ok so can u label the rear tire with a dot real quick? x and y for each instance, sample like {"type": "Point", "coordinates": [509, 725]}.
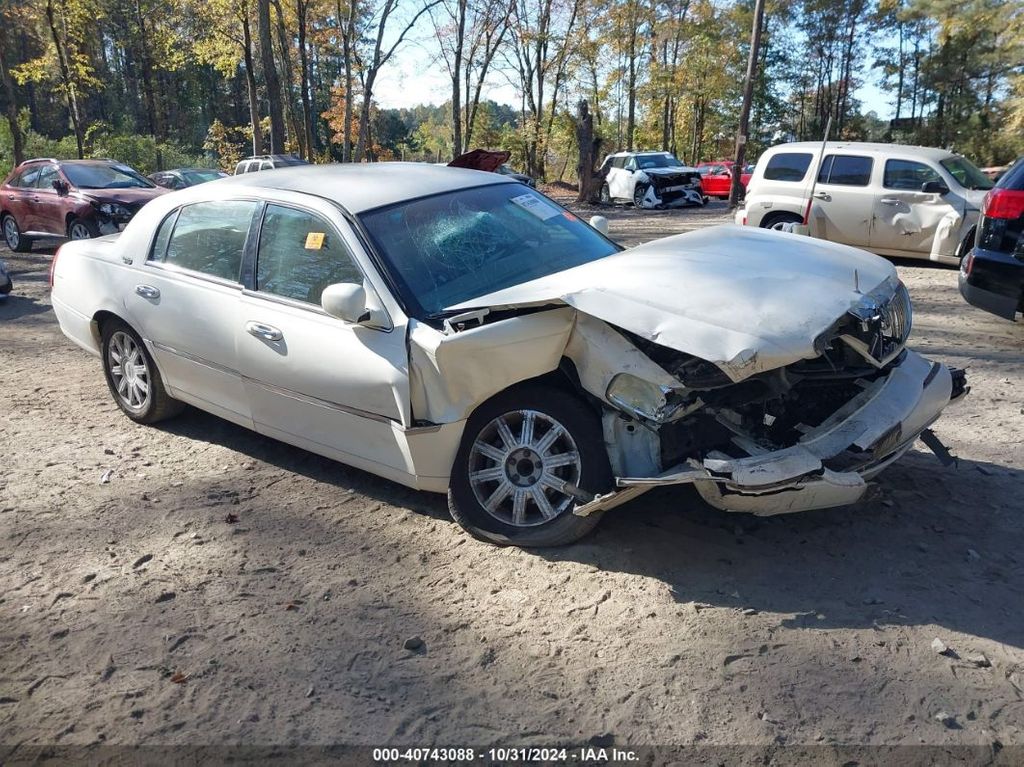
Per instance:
{"type": "Point", "coordinates": [132, 376]}
{"type": "Point", "coordinates": [16, 241]}
{"type": "Point", "coordinates": [516, 449]}
{"type": "Point", "coordinates": [776, 220]}
{"type": "Point", "coordinates": [606, 195]}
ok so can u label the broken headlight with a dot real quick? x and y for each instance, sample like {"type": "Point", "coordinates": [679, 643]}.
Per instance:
{"type": "Point", "coordinates": [642, 398]}
{"type": "Point", "coordinates": [115, 211]}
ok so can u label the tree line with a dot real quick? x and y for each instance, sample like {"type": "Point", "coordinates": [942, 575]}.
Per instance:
{"type": "Point", "coordinates": [165, 82]}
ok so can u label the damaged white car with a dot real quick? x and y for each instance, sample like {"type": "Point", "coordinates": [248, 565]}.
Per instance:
{"type": "Point", "coordinates": [650, 180]}
{"type": "Point", "coordinates": [458, 332]}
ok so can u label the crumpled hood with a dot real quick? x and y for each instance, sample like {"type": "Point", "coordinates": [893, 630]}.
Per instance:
{"type": "Point", "coordinates": [670, 171]}
{"type": "Point", "coordinates": [747, 299]}
{"type": "Point", "coordinates": [134, 196]}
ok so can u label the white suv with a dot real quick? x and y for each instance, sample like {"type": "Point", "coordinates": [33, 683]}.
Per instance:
{"type": "Point", "coordinates": [650, 180]}
{"type": "Point", "coordinates": [893, 200]}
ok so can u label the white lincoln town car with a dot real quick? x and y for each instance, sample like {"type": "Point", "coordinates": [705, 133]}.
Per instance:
{"type": "Point", "coordinates": [456, 331]}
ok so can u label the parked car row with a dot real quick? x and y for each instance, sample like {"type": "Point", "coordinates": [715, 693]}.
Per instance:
{"type": "Point", "coordinates": [80, 199]}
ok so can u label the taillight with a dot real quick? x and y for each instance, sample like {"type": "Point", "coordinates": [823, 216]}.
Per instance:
{"type": "Point", "coordinates": [1003, 203]}
{"type": "Point", "coordinates": [968, 264]}
{"type": "Point", "coordinates": [53, 267]}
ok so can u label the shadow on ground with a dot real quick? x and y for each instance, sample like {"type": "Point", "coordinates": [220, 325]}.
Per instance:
{"type": "Point", "coordinates": [934, 547]}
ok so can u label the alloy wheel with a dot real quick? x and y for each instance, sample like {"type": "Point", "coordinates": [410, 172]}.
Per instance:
{"type": "Point", "coordinates": [11, 233]}
{"type": "Point", "coordinates": [129, 371]}
{"type": "Point", "coordinates": [80, 231]}
{"type": "Point", "coordinates": [521, 466]}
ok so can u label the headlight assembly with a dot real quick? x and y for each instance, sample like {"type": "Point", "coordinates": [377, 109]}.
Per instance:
{"type": "Point", "coordinates": [115, 210]}
{"type": "Point", "coordinates": [642, 398]}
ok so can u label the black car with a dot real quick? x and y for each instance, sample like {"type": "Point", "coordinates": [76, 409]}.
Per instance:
{"type": "Point", "coordinates": [992, 274]}
{"type": "Point", "coordinates": [182, 178]}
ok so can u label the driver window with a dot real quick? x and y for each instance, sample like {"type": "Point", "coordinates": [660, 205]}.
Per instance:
{"type": "Point", "coordinates": [908, 175]}
{"type": "Point", "coordinates": [631, 164]}
{"type": "Point", "coordinates": [300, 254]}
{"type": "Point", "coordinates": [46, 177]}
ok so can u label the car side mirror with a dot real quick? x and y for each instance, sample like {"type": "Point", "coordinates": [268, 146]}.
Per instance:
{"type": "Point", "coordinates": [346, 301]}
{"type": "Point", "coordinates": [60, 186]}
{"type": "Point", "coordinates": [934, 187]}
{"type": "Point", "coordinates": [600, 223]}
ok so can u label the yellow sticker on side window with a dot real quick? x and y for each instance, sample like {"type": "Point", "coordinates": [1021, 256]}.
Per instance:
{"type": "Point", "coordinates": [314, 240]}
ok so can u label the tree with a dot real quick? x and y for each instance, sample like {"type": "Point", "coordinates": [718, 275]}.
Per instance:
{"type": "Point", "coordinates": [380, 54]}
{"type": "Point", "coordinates": [270, 79]}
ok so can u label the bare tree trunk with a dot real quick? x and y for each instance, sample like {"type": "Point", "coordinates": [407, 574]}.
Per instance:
{"type": "Point", "coordinates": [70, 92]}
{"type": "Point", "coordinates": [270, 78]}
{"type": "Point", "coordinates": [250, 82]}
{"type": "Point", "coordinates": [585, 147]}
{"type": "Point", "coordinates": [17, 136]}
{"type": "Point", "coordinates": [456, 72]}
{"type": "Point", "coordinates": [347, 34]}
{"type": "Point", "coordinates": [307, 111]}
{"type": "Point", "coordinates": [149, 87]}
{"type": "Point", "coordinates": [748, 97]}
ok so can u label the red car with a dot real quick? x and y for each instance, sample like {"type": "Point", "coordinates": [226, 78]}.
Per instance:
{"type": "Point", "coordinates": [716, 177]}
{"type": "Point", "coordinates": [76, 199]}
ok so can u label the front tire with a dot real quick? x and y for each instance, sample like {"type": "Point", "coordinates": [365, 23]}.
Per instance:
{"type": "Point", "coordinates": [15, 240]}
{"type": "Point", "coordinates": [639, 193]}
{"type": "Point", "coordinates": [518, 452]}
{"type": "Point", "coordinates": [80, 229]}
{"type": "Point", "coordinates": [132, 376]}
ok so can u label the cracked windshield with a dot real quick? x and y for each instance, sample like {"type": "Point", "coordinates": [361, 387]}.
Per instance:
{"type": "Point", "coordinates": [452, 247]}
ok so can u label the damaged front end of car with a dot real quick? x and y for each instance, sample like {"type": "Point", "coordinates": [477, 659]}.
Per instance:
{"type": "Point", "coordinates": [808, 435]}
{"type": "Point", "coordinates": [768, 370]}
{"type": "Point", "coordinates": [673, 188]}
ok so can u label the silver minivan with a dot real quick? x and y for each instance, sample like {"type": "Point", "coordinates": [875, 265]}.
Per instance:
{"type": "Point", "coordinates": [890, 199]}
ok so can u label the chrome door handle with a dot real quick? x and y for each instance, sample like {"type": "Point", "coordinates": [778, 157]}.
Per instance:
{"type": "Point", "coordinates": [147, 291]}
{"type": "Point", "coordinates": [889, 201]}
{"type": "Point", "coordinates": [266, 332]}
{"type": "Point", "coordinates": [822, 196]}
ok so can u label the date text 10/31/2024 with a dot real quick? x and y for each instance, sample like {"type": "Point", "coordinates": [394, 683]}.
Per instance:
{"type": "Point", "coordinates": [505, 754]}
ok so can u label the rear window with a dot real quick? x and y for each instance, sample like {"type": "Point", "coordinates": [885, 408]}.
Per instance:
{"type": "Point", "coordinates": [207, 237]}
{"type": "Point", "coordinates": [787, 166]}
{"type": "Point", "coordinates": [1014, 177]}
{"type": "Point", "coordinates": [845, 170]}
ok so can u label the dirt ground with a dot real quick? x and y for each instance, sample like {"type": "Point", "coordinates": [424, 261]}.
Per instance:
{"type": "Point", "coordinates": [135, 609]}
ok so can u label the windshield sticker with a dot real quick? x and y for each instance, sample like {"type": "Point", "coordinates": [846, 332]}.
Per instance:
{"type": "Point", "coordinates": [536, 206]}
{"type": "Point", "coordinates": [314, 240]}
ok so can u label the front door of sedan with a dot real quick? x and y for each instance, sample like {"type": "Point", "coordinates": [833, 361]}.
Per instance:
{"type": "Point", "coordinates": [184, 301]}
{"type": "Point", "coordinates": [313, 380]}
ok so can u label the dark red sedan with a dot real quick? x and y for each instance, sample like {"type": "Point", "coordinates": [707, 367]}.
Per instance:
{"type": "Point", "coordinates": [76, 199]}
{"type": "Point", "coordinates": [716, 177]}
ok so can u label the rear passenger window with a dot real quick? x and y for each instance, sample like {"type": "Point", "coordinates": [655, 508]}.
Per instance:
{"type": "Point", "coordinates": [787, 166]}
{"type": "Point", "coordinates": [208, 237]}
{"type": "Point", "coordinates": [299, 255]}
{"type": "Point", "coordinates": [907, 174]}
{"type": "Point", "coordinates": [846, 170]}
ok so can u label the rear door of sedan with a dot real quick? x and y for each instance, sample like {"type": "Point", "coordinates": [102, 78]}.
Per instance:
{"type": "Point", "coordinates": [336, 388]}
{"type": "Point", "coordinates": [185, 302]}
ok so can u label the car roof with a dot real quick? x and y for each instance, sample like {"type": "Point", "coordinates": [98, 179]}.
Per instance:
{"type": "Point", "coordinates": [864, 146]}
{"type": "Point", "coordinates": [359, 187]}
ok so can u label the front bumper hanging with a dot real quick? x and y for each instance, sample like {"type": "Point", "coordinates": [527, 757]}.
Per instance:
{"type": "Point", "coordinates": [832, 463]}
